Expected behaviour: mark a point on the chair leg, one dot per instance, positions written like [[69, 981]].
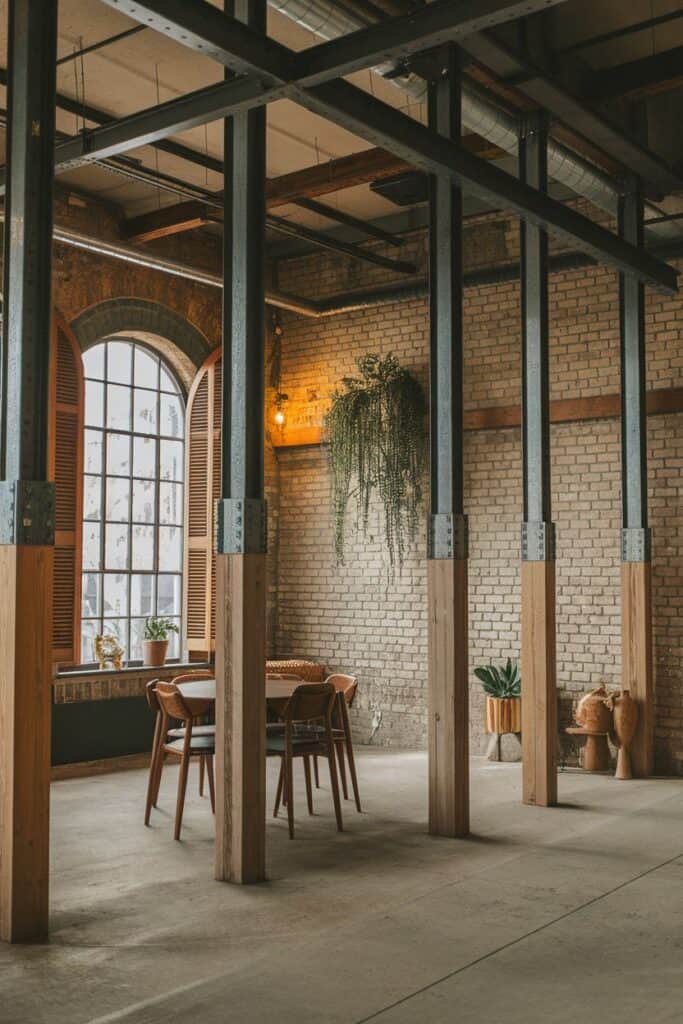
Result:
[[309, 790], [151, 782], [201, 774], [348, 743], [315, 771], [182, 787], [289, 790], [334, 782], [209, 775], [280, 786], [339, 747]]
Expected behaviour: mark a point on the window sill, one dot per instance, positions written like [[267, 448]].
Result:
[[90, 671]]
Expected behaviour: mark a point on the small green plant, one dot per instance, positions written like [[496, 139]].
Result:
[[158, 629], [500, 682]]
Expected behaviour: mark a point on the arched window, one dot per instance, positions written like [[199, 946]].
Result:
[[133, 496]]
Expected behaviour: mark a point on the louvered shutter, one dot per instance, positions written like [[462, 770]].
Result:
[[66, 470], [203, 488]]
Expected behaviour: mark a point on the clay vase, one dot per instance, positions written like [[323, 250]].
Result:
[[592, 713], [154, 652], [625, 714]]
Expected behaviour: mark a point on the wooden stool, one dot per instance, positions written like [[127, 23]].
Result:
[[595, 751]]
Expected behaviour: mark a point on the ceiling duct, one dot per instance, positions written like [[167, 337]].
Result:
[[328, 21]]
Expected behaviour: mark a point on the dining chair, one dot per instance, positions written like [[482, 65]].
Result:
[[163, 731], [307, 720], [346, 687], [193, 743]]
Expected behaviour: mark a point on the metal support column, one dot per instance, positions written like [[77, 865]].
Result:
[[636, 584], [241, 512], [539, 698], [26, 498], [447, 569]]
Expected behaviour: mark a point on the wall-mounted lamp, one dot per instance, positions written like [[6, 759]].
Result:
[[279, 411]]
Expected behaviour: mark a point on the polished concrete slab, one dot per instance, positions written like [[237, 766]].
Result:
[[560, 914]]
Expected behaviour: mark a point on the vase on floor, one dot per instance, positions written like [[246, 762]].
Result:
[[625, 718], [593, 711]]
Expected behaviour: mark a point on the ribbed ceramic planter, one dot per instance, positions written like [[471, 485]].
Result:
[[503, 714]]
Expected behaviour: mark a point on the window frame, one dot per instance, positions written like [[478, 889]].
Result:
[[103, 476]]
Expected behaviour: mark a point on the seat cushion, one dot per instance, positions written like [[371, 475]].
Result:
[[277, 744], [197, 730], [198, 744]]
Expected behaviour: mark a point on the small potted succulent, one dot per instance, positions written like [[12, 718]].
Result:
[[503, 687], [155, 642]]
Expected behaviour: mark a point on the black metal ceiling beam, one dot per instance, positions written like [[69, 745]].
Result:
[[284, 227], [397, 38], [69, 105], [332, 213], [651, 74], [620, 33], [101, 44], [383, 126], [550, 92]]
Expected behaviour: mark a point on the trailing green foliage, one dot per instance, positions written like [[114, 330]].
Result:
[[158, 629], [376, 434], [500, 682]]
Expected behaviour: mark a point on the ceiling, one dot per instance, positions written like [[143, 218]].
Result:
[[147, 68]]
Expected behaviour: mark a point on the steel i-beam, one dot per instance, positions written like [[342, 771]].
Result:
[[448, 687]]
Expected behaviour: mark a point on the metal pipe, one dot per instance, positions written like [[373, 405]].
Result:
[[102, 43]]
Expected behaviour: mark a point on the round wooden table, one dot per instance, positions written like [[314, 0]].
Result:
[[277, 690]]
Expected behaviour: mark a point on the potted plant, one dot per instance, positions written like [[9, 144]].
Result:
[[155, 642], [502, 687]]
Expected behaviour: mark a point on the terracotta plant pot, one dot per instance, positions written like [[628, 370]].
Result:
[[593, 711], [503, 714], [625, 715], [154, 652]]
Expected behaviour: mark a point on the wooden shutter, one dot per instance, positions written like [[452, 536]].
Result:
[[65, 467], [203, 478]]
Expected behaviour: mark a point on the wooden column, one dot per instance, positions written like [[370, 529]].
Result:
[[241, 514], [26, 499], [636, 582], [539, 696], [447, 570]]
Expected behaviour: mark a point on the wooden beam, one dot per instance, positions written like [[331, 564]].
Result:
[[308, 183], [240, 725], [659, 402], [539, 692], [636, 655], [448, 704], [25, 723]]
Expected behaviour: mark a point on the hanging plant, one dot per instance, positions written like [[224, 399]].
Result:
[[376, 434]]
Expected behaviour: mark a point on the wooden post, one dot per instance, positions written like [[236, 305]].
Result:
[[26, 499], [241, 522], [447, 568], [539, 696], [636, 539], [241, 782]]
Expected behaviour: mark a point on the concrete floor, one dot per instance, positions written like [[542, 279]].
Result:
[[574, 913]]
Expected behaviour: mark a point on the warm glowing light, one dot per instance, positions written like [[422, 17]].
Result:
[[280, 418]]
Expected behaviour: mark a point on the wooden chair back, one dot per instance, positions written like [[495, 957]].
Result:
[[309, 671], [189, 677], [344, 684], [150, 694], [310, 702], [172, 703]]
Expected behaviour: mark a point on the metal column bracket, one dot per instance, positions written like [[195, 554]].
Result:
[[538, 542], [27, 512], [636, 544], [448, 536], [241, 526]]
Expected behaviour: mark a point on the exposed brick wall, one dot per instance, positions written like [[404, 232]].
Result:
[[357, 619]]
